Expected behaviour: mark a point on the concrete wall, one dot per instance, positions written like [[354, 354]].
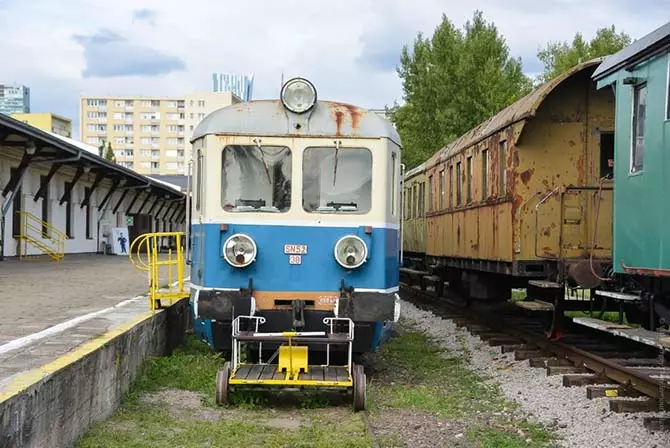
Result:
[[58, 410], [57, 213]]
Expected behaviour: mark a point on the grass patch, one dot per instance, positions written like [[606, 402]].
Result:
[[171, 403], [420, 376], [153, 427], [424, 379], [191, 367], [521, 435]]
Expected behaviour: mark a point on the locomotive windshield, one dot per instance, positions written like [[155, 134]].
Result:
[[337, 180], [256, 179]]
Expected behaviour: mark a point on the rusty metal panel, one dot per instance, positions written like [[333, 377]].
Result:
[[542, 183], [557, 181], [270, 118]]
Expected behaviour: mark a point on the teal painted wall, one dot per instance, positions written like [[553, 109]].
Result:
[[642, 199]]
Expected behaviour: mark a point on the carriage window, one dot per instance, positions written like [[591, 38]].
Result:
[[337, 180], [430, 194], [639, 113], [442, 188], [502, 160], [256, 179], [485, 173]]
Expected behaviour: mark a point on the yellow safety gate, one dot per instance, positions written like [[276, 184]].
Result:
[[149, 244]]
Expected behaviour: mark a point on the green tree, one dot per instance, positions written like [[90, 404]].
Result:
[[452, 82], [109, 155], [559, 57]]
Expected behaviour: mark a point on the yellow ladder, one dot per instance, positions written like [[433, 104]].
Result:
[[32, 233], [148, 244]]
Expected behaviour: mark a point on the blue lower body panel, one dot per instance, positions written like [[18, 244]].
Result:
[[278, 285]]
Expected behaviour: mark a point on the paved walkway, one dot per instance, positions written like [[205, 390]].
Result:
[[37, 295]]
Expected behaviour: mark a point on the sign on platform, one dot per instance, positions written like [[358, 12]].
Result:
[[120, 240], [130, 220]]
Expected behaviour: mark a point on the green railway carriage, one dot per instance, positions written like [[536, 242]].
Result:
[[414, 216], [640, 77]]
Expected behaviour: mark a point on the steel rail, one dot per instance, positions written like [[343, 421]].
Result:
[[623, 375]]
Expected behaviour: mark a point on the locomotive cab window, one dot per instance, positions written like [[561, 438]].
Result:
[[256, 179], [337, 180]]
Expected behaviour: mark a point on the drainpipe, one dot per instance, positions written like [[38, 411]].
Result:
[[10, 198]]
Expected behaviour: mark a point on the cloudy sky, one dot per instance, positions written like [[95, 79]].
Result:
[[348, 48]]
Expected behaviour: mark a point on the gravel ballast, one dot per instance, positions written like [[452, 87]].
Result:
[[578, 421]]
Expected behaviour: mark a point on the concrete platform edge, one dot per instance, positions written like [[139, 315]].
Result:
[[54, 405]]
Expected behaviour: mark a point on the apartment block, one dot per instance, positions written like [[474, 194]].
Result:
[[150, 135], [14, 99], [47, 122]]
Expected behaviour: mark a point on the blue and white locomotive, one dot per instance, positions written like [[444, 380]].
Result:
[[295, 218]]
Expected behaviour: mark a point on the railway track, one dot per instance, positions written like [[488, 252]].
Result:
[[635, 377]]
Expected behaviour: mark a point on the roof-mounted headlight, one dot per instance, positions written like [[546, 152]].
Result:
[[239, 250], [298, 95], [351, 252]]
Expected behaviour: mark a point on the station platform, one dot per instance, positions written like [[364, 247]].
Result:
[[652, 338], [73, 334]]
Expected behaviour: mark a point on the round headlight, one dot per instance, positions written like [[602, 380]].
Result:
[[351, 252], [298, 95], [239, 250]]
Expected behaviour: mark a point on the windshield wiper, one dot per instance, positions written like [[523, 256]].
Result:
[[344, 206], [260, 148], [337, 150], [255, 203]]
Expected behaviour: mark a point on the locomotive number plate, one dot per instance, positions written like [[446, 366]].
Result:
[[295, 259], [295, 249]]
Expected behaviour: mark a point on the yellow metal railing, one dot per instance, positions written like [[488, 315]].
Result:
[[148, 245], [41, 235]]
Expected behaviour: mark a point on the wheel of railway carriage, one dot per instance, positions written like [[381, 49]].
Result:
[[222, 386], [359, 387]]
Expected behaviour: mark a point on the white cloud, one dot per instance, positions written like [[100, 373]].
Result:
[[348, 48]]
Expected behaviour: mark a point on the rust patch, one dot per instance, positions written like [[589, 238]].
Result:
[[516, 157], [572, 143], [458, 234], [355, 115], [547, 231], [339, 119], [580, 170], [527, 175]]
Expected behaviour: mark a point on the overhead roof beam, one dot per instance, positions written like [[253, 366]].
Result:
[[149, 195], [130, 207], [120, 201], [18, 175], [67, 194], [45, 183], [87, 197], [112, 190]]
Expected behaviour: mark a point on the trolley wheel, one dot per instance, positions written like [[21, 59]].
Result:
[[359, 387], [222, 386]]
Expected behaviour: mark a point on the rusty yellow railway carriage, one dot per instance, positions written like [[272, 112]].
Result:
[[414, 216], [525, 198]]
